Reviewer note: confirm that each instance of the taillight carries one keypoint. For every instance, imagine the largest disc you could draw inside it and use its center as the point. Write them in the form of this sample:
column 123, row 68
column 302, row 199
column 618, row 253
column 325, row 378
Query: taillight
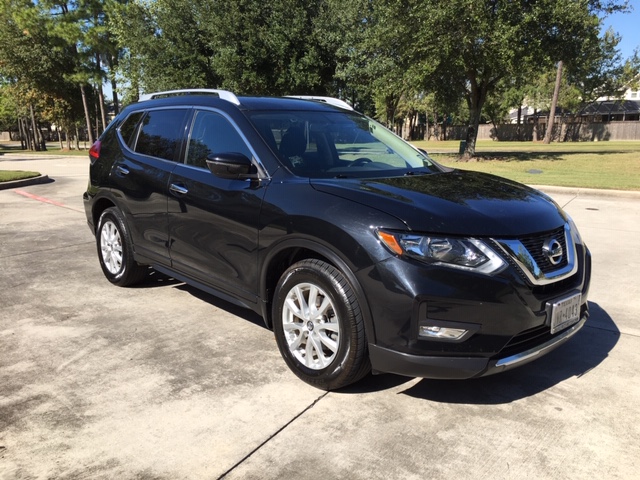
column 94, row 151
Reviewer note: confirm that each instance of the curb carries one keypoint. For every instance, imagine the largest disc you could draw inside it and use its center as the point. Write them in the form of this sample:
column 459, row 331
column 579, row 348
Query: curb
column 25, row 182
column 593, row 192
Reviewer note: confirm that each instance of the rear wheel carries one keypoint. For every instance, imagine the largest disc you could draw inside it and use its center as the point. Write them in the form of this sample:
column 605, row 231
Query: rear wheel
column 319, row 327
column 115, row 250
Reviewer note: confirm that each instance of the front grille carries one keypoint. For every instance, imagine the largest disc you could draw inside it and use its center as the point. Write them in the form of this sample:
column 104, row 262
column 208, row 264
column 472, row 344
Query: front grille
column 534, row 245
column 558, row 287
column 526, row 340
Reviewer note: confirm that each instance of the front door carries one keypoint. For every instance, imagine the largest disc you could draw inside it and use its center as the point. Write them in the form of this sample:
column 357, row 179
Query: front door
column 213, row 222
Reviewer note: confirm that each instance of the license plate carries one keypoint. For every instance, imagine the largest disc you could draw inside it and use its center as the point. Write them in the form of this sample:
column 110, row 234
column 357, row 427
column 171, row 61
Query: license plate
column 565, row 312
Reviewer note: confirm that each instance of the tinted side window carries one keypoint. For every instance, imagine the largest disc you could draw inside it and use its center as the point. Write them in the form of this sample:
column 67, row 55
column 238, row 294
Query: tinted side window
column 211, row 134
column 128, row 128
column 161, row 133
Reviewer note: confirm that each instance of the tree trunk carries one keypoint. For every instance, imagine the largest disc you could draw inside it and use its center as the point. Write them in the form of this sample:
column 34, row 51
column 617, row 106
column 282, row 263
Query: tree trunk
column 476, row 102
column 535, row 125
column 43, row 142
column 552, row 114
column 60, row 138
column 112, row 65
column 518, row 128
column 77, row 138
column 426, row 131
column 97, row 129
column 22, row 134
column 472, row 132
column 28, row 134
column 86, row 115
column 103, row 114
column 34, row 128
column 66, row 132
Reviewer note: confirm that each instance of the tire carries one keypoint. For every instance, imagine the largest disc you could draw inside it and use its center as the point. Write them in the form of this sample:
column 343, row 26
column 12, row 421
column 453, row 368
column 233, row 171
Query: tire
column 115, row 250
column 325, row 345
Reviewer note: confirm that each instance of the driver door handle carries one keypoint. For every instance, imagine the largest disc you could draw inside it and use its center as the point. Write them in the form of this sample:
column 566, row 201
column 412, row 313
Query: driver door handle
column 178, row 189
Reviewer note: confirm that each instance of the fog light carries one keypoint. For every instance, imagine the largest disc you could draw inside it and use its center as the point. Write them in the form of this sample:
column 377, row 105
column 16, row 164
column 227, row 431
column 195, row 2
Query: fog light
column 432, row 331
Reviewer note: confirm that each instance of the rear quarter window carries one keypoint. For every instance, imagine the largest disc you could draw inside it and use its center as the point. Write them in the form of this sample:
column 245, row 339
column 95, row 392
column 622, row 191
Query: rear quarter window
column 160, row 133
column 128, row 128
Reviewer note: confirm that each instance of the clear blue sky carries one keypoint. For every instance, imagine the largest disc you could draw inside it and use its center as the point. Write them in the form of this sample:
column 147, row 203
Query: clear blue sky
column 628, row 26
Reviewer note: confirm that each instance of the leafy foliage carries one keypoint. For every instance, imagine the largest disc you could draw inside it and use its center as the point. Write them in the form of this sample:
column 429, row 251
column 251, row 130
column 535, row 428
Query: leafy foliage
column 434, row 60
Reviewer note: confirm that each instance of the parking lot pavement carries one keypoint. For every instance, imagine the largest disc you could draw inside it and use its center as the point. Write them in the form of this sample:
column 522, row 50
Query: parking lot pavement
column 165, row 382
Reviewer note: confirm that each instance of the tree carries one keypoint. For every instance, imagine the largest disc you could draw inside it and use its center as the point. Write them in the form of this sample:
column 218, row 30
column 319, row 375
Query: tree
column 275, row 47
column 66, row 21
column 46, row 57
column 468, row 47
column 26, row 65
column 8, row 109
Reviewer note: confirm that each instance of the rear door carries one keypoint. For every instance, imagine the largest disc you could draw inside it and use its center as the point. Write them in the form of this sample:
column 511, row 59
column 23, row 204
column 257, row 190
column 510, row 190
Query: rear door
column 213, row 222
column 140, row 178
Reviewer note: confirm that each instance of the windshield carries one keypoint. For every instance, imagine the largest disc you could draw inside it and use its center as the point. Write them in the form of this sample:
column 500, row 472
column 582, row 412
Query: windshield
column 339, row 145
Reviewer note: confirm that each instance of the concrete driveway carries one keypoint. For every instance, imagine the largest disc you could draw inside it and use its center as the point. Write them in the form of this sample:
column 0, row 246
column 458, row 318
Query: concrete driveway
column 165, row 382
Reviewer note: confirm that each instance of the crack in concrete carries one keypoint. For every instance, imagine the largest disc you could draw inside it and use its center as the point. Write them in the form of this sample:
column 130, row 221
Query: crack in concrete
column 47, row 250
column 275, row 434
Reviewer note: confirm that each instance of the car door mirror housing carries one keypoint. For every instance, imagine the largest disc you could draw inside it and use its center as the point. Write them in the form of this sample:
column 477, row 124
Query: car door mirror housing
column 231, row 165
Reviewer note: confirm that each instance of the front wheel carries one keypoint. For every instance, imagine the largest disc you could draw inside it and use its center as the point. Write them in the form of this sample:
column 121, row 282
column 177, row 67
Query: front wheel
column 319, row 327
column 115, row 250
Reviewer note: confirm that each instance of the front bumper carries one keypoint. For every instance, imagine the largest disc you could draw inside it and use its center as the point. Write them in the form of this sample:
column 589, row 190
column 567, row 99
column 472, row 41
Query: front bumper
column 438, row 367
column 510, row 318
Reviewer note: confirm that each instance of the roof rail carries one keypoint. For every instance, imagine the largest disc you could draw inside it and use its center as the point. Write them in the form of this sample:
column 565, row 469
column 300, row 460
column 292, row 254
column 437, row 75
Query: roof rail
column 330, row 100
column 223, row 94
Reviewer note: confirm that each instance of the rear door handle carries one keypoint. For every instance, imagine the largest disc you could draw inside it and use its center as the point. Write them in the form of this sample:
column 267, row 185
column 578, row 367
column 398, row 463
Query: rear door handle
column 178, row 189
column 122, row 170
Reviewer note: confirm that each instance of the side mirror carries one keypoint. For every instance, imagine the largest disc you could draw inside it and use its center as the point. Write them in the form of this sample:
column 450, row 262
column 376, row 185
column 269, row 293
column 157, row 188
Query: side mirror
column 231, row 165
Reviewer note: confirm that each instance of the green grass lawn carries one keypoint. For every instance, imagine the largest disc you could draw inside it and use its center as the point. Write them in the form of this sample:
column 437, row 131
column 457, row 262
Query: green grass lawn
column 14, row 147
column 10, row 175
column 606, row 165
column 53, row 148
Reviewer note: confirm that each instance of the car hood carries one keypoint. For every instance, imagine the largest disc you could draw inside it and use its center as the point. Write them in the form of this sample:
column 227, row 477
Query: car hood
column 457, row 202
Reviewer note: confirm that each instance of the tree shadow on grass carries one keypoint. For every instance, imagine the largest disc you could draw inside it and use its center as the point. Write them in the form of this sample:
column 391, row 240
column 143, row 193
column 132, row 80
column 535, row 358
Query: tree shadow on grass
column 506, row 156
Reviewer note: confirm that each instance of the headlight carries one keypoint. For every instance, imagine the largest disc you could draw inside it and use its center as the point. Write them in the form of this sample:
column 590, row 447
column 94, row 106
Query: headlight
column 463, row 253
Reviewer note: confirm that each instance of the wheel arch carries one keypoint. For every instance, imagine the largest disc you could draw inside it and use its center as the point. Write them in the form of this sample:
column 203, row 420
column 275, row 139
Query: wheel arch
column 293, row 250
column 99, row 206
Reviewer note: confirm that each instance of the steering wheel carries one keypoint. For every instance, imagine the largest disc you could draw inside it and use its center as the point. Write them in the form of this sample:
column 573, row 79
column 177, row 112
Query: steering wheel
column 358, row 162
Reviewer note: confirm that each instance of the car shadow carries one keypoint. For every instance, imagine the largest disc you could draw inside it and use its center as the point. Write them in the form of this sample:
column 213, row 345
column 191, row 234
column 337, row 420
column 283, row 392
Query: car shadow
column 157, row 279
column 237, row 310
column 576, row 358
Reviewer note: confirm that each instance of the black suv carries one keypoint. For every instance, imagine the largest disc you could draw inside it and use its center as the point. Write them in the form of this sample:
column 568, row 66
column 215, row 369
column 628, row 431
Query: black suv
column 357, row 249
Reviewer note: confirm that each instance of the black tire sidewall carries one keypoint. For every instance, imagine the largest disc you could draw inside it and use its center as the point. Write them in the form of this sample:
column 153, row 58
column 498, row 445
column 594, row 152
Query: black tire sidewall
column 329, row 281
